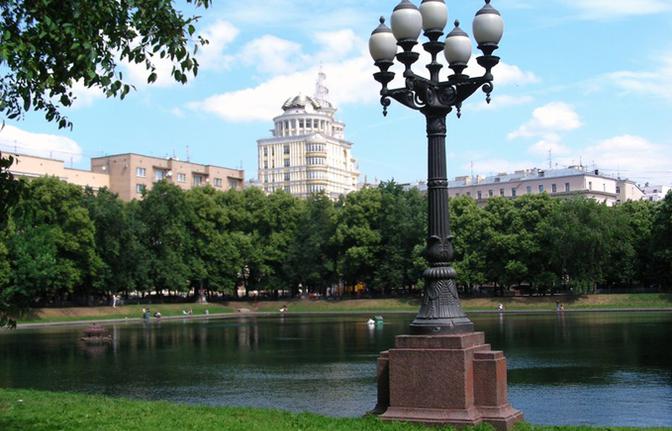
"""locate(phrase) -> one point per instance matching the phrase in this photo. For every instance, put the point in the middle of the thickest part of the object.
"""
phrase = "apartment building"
(128, 175)
(131, 174)
(655, 193)
(307, 152)
(566, 182)
(26, 166)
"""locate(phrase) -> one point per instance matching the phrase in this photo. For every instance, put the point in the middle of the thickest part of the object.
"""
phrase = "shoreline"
(230, 316)
(26, 409)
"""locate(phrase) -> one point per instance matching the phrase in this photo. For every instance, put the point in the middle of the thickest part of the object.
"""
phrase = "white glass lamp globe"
(488, 25)
(434, 14)
(406, 21)
(382, 43)
(458, 46)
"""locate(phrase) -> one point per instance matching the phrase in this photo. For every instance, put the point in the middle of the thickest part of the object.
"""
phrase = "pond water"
(586, 368)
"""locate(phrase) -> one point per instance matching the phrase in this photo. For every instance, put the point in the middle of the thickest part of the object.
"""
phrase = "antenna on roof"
(550, 158)
(188, 156)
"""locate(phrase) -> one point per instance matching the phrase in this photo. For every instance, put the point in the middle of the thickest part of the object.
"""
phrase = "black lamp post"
(441, 312)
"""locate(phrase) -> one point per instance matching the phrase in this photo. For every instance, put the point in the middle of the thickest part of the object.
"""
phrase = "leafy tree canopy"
(46, 46)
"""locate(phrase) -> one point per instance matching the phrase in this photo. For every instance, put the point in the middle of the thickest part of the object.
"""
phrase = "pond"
(605, 369)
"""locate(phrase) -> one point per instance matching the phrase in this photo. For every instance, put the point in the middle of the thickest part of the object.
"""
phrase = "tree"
(578, 241)
(214, 256)
(472, 228)
(661, 246)
(357, 235)
(311, 258)
(165, 213)
(402, 225)
(47, 46)
(52, 242)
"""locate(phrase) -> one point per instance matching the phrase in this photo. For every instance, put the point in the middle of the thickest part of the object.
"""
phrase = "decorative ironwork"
(441, 311)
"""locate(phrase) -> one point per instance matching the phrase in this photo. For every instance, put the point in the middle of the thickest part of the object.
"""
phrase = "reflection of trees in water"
(562, 347)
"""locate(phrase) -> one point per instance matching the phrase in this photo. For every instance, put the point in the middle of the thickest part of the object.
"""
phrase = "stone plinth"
(445, 379)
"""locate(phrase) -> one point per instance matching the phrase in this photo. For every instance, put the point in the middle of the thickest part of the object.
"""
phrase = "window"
(590, 185)
(159, 174)
(541, 188)
(490, 193)
(287, 189)
(501, 192)
(554, 188)
(265, 151)
(265, 164)
(618, 189)
(140, 172)
(567, 188)
(529, 189)
(266, 179)
(287, 176)
(300, 124)
(181, 178)
(234, 183)
(285, 149)
(217, 182)
(513, 193)
(457, 194)
(286, 163)
(480, 196)
(140, 188)
(469, 194)
(198, 180)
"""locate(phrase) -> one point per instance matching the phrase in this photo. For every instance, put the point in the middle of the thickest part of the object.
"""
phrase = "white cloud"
(213, 56)
(85, 96)
(349, 81)
(647, 83)
(632, 156)
(348, 67)
(337, 44)
(273, 55)
(542, 148)
(496, 166)
(549, 120)
(39, 144)
(504, 73)
(610, 9)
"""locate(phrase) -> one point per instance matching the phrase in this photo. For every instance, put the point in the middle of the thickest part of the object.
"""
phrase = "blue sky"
(588, 79)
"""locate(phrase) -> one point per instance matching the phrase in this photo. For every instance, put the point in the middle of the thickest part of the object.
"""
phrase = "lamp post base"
(445, 380)
(455, 325)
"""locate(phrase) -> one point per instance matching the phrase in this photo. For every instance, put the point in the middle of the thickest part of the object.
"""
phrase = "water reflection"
(605, 369)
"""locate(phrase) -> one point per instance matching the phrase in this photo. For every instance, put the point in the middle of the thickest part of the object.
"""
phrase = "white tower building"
(307, 152)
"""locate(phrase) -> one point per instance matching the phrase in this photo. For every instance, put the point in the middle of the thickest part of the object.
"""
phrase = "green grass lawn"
(25, 410)
(542, 303)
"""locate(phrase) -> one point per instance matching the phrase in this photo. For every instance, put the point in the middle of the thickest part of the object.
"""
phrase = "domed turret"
(301, 102)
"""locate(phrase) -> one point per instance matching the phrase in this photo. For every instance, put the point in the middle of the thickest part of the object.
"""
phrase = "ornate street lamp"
(441, 311)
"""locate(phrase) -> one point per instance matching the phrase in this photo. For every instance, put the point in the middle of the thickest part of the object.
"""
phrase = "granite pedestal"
(444, 380)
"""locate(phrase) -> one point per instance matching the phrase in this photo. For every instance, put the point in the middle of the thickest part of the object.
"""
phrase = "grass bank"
(25, 410)
(546, 303)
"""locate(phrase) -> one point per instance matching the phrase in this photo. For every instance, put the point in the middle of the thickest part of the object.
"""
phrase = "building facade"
(128, 175)
(28, 167)
(307, 152)
(131, 174)
(656, 193)
(567, 182)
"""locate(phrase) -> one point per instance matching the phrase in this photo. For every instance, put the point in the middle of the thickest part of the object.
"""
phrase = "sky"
(588, 80)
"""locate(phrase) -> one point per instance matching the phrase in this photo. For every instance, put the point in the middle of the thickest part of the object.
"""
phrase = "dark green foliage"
(46, 46)
(60, 243)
